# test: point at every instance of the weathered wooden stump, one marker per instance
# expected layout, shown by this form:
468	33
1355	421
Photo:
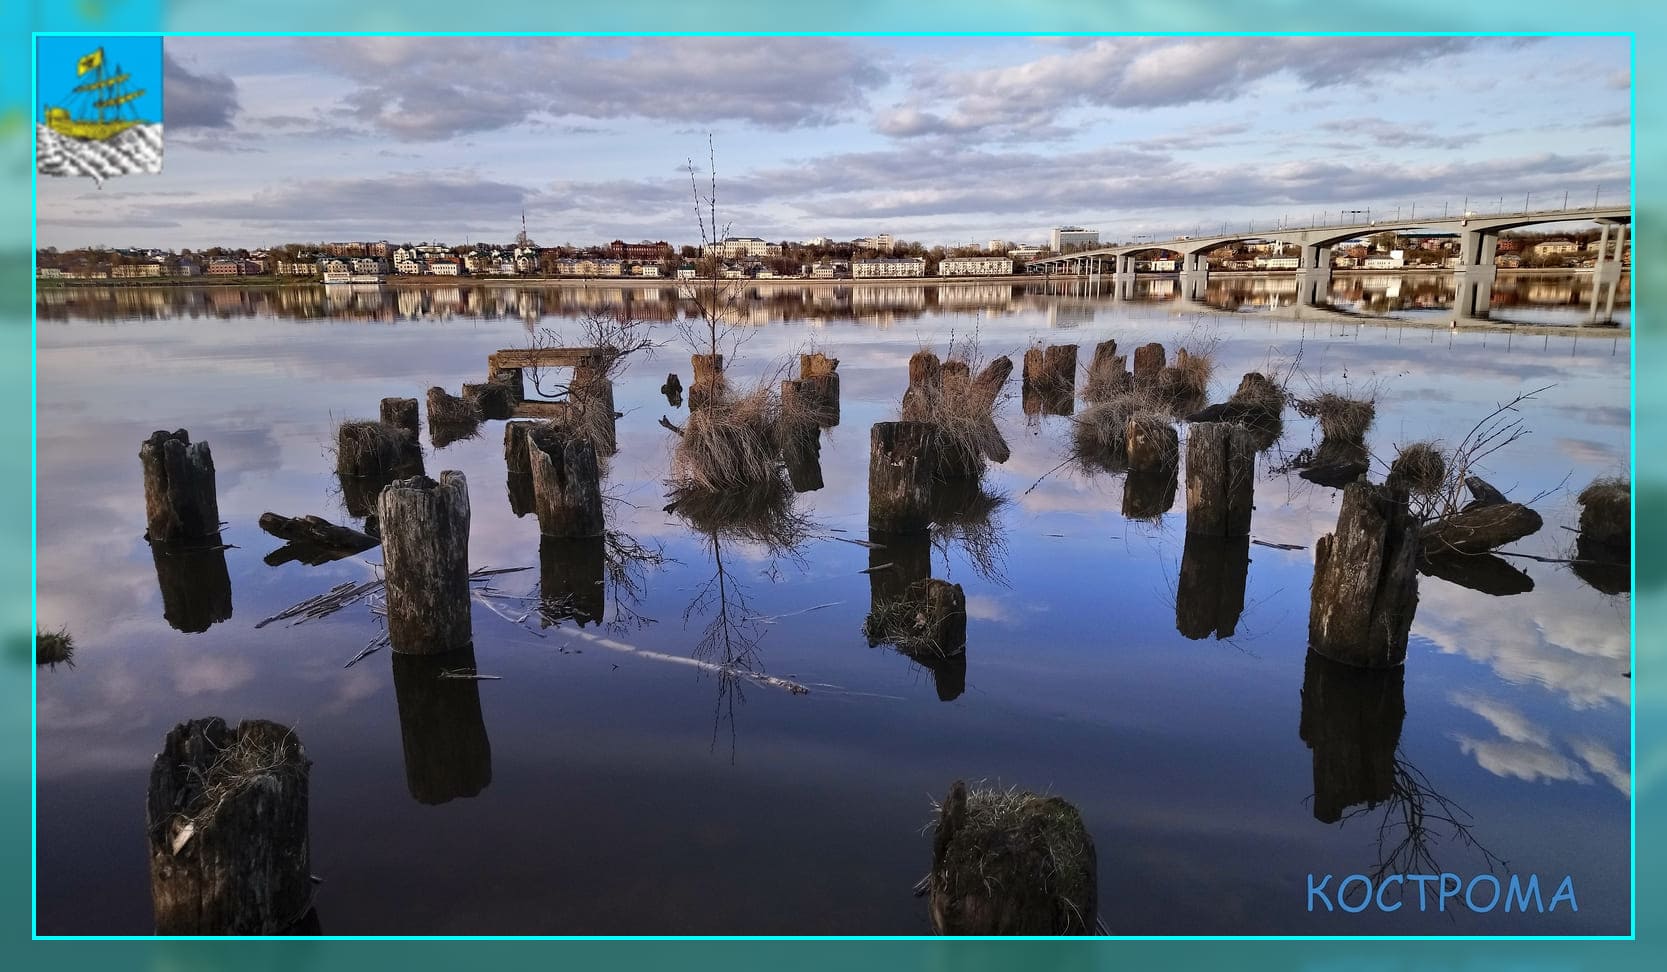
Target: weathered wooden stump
1351	720
425	563
1150	493
1152	443
495	401
401	413
570	580
196	587
1108	374
441	730
922	402
180	499
1006	863
1365	587
567	486
376	451
1221	474
1149	360
1209	595
446	409
515	445
673	386
593	404
708	381
513	378
902	462
1050	379
817	364
823	392
226	819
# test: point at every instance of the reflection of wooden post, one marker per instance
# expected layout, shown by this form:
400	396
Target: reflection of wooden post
1365	587
708	380
447	753
425	563
401	413
226	818
566	483
943	608
1221	466
896	562
180	500
1150	493
196	588
570	580
800	440
1209	596
902	461
1351	719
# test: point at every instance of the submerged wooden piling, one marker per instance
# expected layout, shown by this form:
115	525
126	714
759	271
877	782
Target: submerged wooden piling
1365	587
226	821
1221	472
180	499
1149	361
515	445
425	563
401	413
902	462
567	488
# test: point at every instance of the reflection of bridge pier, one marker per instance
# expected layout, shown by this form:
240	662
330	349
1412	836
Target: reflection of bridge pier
1606	273
1476	272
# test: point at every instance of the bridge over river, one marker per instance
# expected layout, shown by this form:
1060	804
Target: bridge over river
1478	244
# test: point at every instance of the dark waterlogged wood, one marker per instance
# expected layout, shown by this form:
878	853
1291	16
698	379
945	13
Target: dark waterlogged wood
708	381
1151	442
987	387
1209	595
425	561
401	413
495	401
226	819
1221	472
445	408
313	540
567	488
1479	529
522	498
180	499
441	729
801	448
1365	588
376	451
1150	493
515	445
1351	720
922	402
1027	868
195	584
1486	573
902	462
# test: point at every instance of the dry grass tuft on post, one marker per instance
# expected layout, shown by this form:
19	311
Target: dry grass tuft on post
1008	862
445	408
54	648
376	450
1420	468
731	443
1184	385
1348	419
1099	436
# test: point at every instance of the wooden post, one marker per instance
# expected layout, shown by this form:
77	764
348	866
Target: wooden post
441	730
515	445
1479	529
570	580
1365	587
1221	473
902	462
1050	377
1151	441
566	483
986	388
425	563
226	821
1209	596
401	413
922	401
514	378
593	402
377	451
1149	360
180	500
448	409
816	364
1027	869
196	587
708	381
1060	363
495	401
1108	374
1351	720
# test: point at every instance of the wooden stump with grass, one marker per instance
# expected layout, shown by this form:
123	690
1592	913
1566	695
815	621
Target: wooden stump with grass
593	412
1149	360
1007	862
1221	474
902	463
180	499
447	409
567	486
707	385
1152	442
1108	374
494	400
401	413
515	445
1365	587
226	818
376	451
425	562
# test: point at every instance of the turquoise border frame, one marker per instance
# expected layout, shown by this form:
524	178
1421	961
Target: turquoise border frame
1641	328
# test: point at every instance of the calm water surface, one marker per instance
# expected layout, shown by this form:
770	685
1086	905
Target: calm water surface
605	785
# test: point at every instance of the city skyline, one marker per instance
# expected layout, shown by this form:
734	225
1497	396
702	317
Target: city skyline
941	140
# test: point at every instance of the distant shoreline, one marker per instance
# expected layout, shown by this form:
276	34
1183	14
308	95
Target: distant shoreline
399	281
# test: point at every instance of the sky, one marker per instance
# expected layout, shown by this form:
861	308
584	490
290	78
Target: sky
946	140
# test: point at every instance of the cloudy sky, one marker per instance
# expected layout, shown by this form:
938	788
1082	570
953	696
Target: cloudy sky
946	140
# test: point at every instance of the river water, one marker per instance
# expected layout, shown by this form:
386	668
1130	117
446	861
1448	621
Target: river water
606	785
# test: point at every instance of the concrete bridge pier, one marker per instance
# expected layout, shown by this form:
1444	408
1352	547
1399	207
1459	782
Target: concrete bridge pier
1474	277
1314	275
1606	274
1195	275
